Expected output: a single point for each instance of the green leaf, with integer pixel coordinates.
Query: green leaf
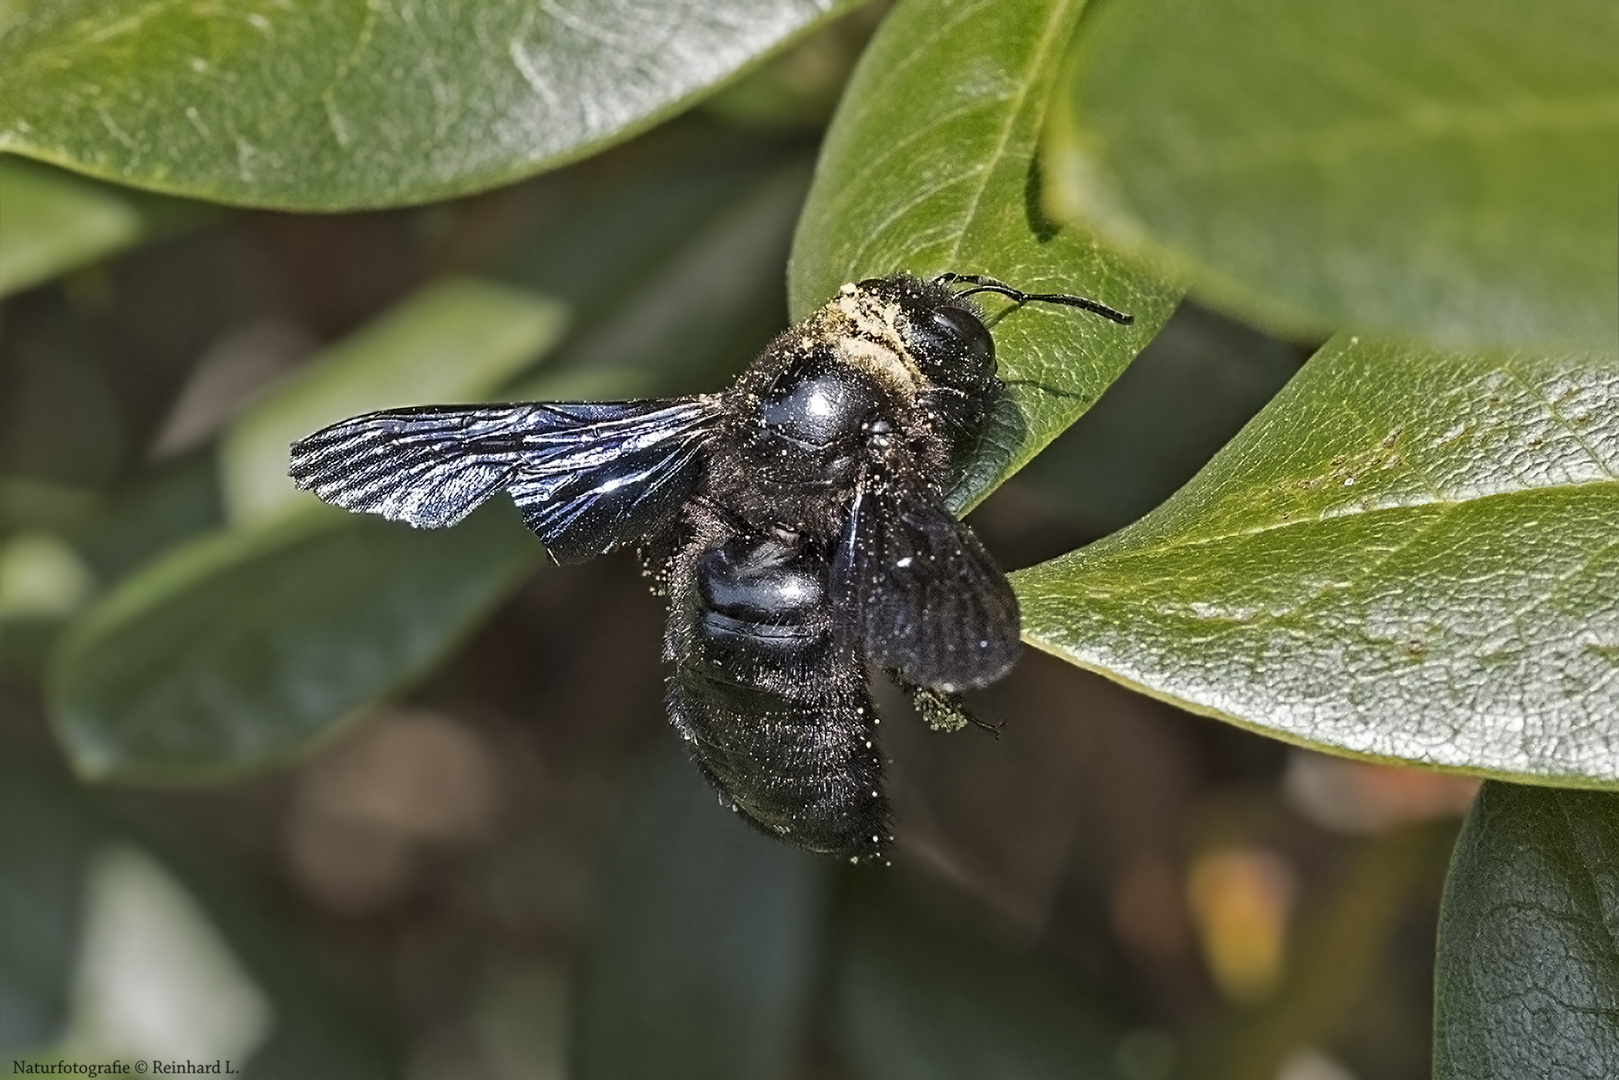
(1177, 403)
(913, 999)
(929, 166)
(54, 222)
(334, 106)
(44, 845)
(1407, 555)
(233, 652)
(452, 342)
(709, 947)
(689, 318)
(1527, 980)
(1440, 171)
(285, 630)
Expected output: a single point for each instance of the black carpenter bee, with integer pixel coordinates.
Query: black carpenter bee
(795, 523)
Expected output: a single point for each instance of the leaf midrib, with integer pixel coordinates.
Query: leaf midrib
(1117, 545)
(1031, 74)
(1331, 144)
(851, 189)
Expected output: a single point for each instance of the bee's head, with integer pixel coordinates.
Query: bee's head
(944, 332)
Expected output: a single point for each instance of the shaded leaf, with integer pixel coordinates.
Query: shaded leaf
(304, 623)
(1443, 172)
(709, 944)
(175, 501)
(45, 844)
(1527, 979)
(1407, 555)
(51, 832)
(695, 315)
(913, 998)
(234, 651)
(601, 225)
(929, 166)
(323, 107)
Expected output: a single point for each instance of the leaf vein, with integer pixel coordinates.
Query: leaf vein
(1443, 505)
(1329, 145)
(1556, 414)
(850, 190)
(904, 208)
(1031, 75)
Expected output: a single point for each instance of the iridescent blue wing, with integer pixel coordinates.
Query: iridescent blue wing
(588, 476)
(915, 589)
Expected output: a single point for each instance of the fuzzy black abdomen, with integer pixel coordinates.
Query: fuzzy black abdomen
(775, 713)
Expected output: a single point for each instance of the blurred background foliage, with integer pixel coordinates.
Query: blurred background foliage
(385, 803)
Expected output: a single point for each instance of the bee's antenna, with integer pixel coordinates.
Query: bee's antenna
(981, 283)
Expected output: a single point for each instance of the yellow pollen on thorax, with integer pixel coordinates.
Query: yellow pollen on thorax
(871, 340)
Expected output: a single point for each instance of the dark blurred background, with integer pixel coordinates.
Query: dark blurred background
(508, 873)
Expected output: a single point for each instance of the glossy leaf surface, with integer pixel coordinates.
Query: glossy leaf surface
(1527, 979)
(1407, 555)
(930, 167)
(331, 106)
(1440, 171)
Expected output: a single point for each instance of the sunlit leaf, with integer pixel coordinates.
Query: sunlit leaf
(1177, 403)
(1438, 171)
(929, 166)
(1408, 554)
(314, 106)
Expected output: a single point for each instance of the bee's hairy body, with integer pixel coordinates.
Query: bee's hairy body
(795, 524)
(774, 706)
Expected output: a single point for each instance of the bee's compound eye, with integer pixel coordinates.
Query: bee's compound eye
(957, 329)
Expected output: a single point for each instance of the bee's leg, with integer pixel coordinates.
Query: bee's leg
(942, 711)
